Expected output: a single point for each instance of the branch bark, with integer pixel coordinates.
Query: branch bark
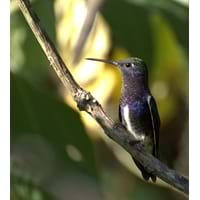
(86, 102)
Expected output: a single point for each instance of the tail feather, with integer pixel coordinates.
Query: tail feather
(146, 175)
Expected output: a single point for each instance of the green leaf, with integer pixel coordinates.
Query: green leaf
(130, 27)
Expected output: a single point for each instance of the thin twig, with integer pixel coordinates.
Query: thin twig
(86, 102)
(92, 8)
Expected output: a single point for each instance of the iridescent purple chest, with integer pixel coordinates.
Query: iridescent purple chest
(138, 108)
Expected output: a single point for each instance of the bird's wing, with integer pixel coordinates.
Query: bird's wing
(155, 121)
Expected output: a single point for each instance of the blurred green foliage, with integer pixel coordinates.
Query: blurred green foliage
(25, 60)
(47, 139)
(130, 21)
(51, 155)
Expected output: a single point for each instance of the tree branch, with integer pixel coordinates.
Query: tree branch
(86, 102)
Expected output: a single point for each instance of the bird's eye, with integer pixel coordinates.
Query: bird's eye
(128, 65)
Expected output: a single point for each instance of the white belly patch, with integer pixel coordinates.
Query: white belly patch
(128, 123)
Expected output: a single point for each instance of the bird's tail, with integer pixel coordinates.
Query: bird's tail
(146, 175)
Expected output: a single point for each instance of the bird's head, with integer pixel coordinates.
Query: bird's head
(133, 66)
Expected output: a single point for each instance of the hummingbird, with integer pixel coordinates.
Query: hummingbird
(137, 108)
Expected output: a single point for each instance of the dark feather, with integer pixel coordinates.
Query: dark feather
(155, 119)
(120, 115)
(145, 174)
